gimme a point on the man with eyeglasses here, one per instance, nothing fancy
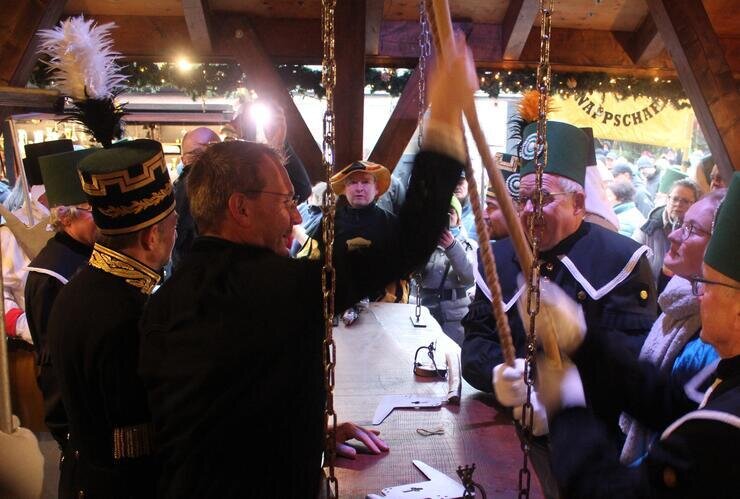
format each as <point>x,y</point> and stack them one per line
<point>698,423</point>
<point>232,344</point>
<point>603,271</point>
<point>61,258</point>
<point>682,193</point>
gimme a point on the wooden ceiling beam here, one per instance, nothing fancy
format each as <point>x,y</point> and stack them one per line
<point>239,38</point>
<point>198,20</point>
<point>373,23</point>
<point>705,75</point>
<point>400,127</point>
<point>644,44</point>
<point>518,21</point>
<point>349,93</point>
<point>29,98</point>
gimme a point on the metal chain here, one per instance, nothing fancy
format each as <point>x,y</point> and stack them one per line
<point>425,51</point>
<point>417,309</point>
<point>328,276</point>
<point>535,227</point>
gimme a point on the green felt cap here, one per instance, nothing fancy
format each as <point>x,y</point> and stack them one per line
<point>568,151</point>
<point>668,178</point>
<point>62,182</point>
<point>722,250</point>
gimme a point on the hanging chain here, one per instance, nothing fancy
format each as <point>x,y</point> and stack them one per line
<point>425,51</point>
<point>328,277</point>
<point>535,228</point>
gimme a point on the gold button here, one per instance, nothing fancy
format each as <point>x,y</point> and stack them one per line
<point>581,295</point>
<point>81,494</point>
<point>669,477</point>
<point>549,266</point>
<point>77,454</point>
<point>644,294</point>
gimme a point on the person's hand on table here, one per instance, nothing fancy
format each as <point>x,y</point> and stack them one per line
<point>348,431</point>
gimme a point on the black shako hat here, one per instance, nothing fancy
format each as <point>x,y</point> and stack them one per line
<point>128,186</point>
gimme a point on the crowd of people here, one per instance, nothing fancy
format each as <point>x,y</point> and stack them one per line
<point>154,387</point>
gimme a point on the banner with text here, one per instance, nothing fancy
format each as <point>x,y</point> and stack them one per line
<point>642,120</point>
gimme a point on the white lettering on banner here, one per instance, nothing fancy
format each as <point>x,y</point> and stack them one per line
<point>598,112</point>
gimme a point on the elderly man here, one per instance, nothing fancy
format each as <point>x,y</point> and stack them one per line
<point>698,423</point>
<point>605,272</point>
<point>193,144</point>
<point>54,266</point>
<point>93,333</point>
<point>662,221</point>
<point>232,344</point>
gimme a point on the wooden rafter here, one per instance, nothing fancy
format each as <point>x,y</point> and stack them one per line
<point>239,38</point>
<point>28,98</point>
<point>400,127</point>
<point>373,22</point>
<point>645,43</point>
<point>705,75</point>
<point>198,20</point>
<point>518,21</point>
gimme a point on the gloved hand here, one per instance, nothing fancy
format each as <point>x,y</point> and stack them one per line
<point>508,384</point>
<point>559,316</point>
<point>539,415</point>
<point>559,387</point>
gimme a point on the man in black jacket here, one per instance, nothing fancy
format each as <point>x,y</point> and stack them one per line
<point>54,266</point>
<point>232,344</point>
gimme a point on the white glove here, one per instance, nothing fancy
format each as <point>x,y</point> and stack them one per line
<point>559,388</point>
<point>508,384</point>
<point>559,316</point>
<point>539,416</point>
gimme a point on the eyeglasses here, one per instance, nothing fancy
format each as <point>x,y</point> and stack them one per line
<point>291,203</point>
<point>698,283</point>
<point>688,229</point>
<point>680,200</point>
<point>547,198</point>
<point>86,208</point>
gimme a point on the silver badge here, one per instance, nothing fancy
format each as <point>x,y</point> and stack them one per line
<point>512,185</point>
<point>528,147</point>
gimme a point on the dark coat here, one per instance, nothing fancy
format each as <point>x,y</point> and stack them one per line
<point>94,341</point>
<point>696,455</point>
<point>614,286</point>
<point>232,353</point>
<point>52,268</point>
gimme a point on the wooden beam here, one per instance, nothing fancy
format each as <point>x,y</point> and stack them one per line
<point>240,39</point>
<point>349,94</point>
<point>517,24</point>
<point>373,22</point>
<point>704,74</point>
<point>644,44</point>
<point>198,20</point>
<point>33,98</point>
<point>400,127</point>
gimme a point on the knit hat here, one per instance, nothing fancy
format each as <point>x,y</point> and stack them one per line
<point>128,186</point>
<point>721,252</point>
<point>380,172</point>
<point>455,204</point>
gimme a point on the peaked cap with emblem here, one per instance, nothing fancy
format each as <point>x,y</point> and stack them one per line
<point>35,151</point>
<point>128,186</point>
<point>668,178</point>
<point>62,182</point>
<point>380,172</point>
<point>569,151</point>
<point>508,165</point>
<point>721,252</point>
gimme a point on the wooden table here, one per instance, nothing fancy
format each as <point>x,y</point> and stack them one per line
<point>375,358</point>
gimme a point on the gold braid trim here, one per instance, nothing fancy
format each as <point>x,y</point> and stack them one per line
<point>134,272</point>
<point>137,206</point>
<point>133,441</point>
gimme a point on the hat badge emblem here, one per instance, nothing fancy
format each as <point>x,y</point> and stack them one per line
<point>528,147</point>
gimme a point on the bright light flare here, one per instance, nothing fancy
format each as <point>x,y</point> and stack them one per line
<point>184,65</point>
<point>261,114</point>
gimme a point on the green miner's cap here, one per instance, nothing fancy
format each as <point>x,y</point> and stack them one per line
<point>669,177</point>
<point>508,165</point>
<point>722,250</point>
<point>128,186</point>
<point>568,151</point>
<point>35,151</point>
<point>62,182</point>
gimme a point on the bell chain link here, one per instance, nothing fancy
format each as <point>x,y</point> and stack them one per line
<point>535,228</point>
<point>328,277</point>
<point>425,51</point>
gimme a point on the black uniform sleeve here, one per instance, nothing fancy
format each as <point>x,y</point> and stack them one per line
<point>297,174</point>
<point>40,293</point>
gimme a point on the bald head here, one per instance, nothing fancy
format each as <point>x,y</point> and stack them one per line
<point>195,141</point>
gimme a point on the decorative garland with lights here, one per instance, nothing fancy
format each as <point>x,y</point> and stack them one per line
<point>201,80</point>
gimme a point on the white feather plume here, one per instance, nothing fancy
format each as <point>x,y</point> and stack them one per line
<point>82,58</point>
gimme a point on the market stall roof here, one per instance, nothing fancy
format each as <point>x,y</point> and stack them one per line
<point>693,39</point>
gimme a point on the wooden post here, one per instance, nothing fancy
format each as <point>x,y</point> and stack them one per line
<point>349,93</point>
